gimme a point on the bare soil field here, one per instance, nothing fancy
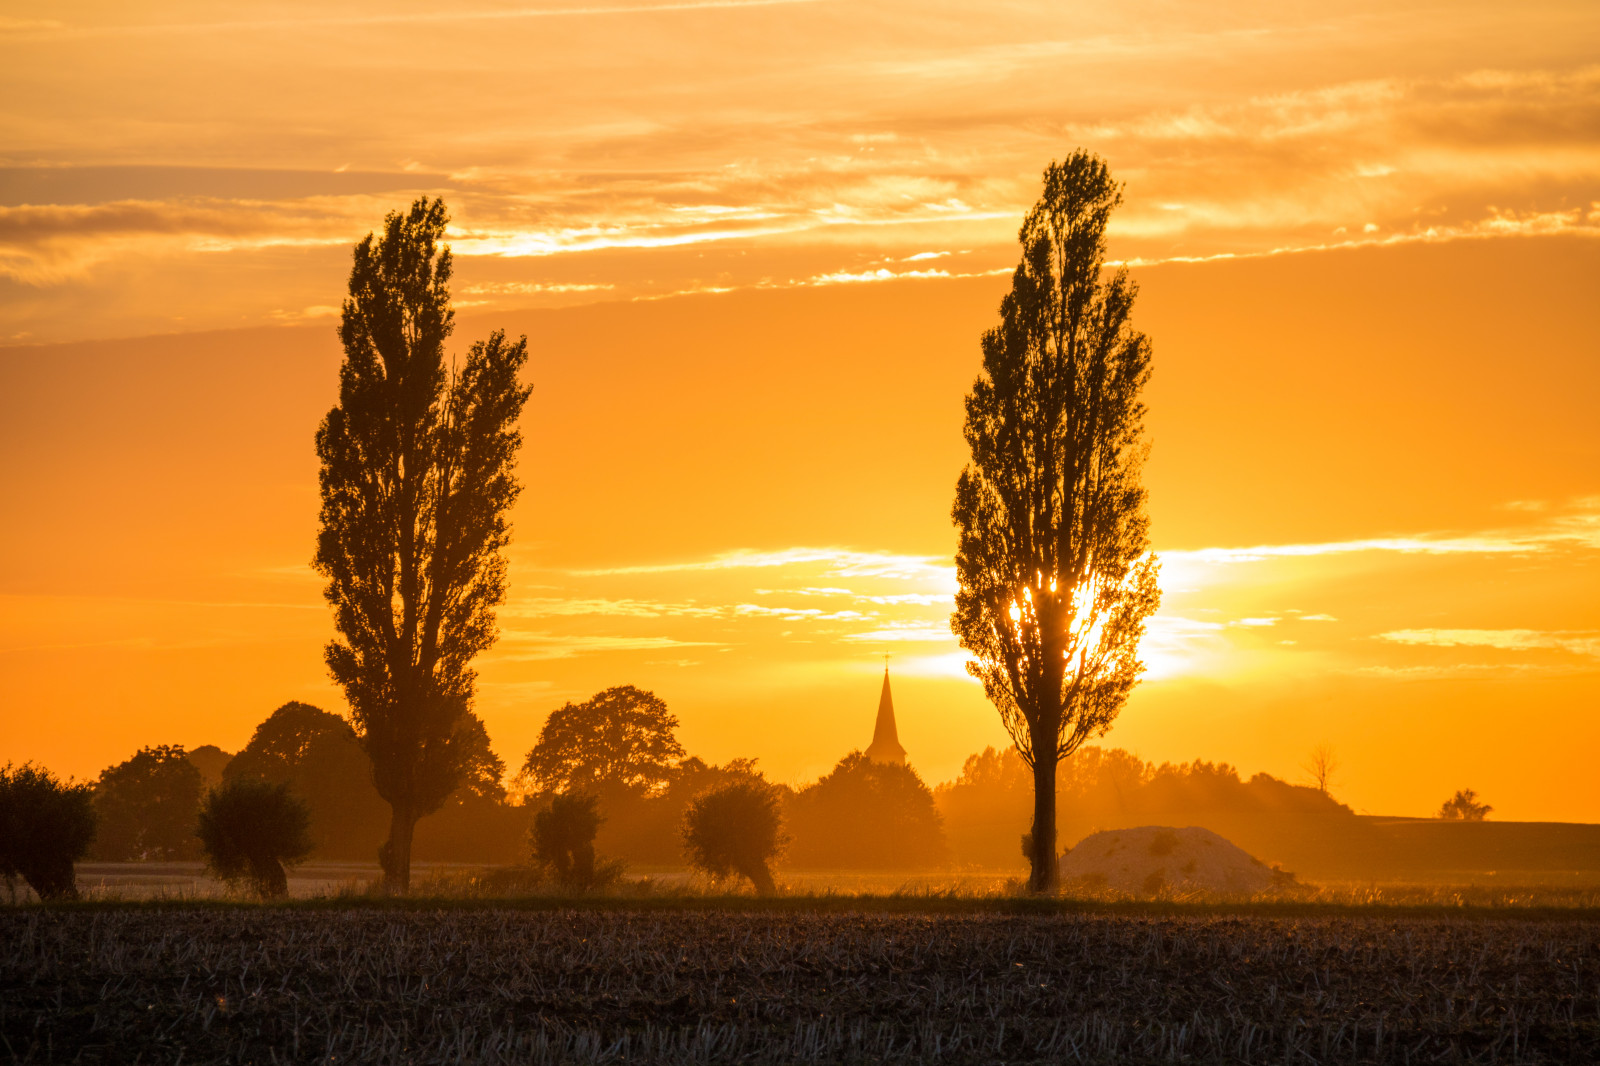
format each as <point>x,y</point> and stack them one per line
<point>794,981</point>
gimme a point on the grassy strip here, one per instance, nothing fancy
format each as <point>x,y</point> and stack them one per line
<point>891,904</point>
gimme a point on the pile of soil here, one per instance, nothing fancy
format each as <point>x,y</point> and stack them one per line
<point>1154,858</point>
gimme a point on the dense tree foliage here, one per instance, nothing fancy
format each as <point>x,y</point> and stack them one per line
<point>417,482</point>
<point>250,828</point>
<point>736,828</point>
<point>146,807</point>
<point>866,815</point>
<point>317,755</point>
<point>621,740</point>
<point>283,741</point>
<point>1052,558</point>
<point>45,826</point>
<point>287,734</point>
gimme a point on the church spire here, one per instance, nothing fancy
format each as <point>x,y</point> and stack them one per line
<point>885,745</point>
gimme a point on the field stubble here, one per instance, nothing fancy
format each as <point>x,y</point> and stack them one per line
<point>486,984</point>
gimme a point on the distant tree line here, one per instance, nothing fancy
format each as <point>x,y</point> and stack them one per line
<point>608,784</point>
<point>621,747</point>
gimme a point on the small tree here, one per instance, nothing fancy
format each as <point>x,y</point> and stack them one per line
<point>621,739</point>
<point>45,826</point>
<point>1052,558</point>
<point>563,838</point>
<point>417,481</point>
<point>250,828</point>
<point>1321,765</point>
<point>1464,806</point>
<point>146,807</point>
<point>736,829</point>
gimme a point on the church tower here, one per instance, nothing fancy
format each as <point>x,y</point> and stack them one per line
<point>885,745</point>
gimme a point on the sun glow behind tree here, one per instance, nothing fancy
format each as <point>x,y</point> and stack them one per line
<point>1056,576</point>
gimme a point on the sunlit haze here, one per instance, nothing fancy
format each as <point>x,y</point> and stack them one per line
<point>753,244</point>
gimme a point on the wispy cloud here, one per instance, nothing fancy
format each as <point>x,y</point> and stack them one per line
<point>526,288</point>
<point>906,631</point>
<point>810,614</point>
<point>851,192</point>
<point>521,646</point>
<point>845,277</point>
<point>1574,532</point>
<point>52,243</point>
<point>556,606</point>
<point>834,561</point>
<point>1577,221</point>
<point>55,28</point>
<point>1579,643</point>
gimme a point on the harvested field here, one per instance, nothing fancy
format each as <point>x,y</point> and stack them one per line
<point>491,984</point>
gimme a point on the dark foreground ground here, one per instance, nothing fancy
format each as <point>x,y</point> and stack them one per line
<point>491,984</point>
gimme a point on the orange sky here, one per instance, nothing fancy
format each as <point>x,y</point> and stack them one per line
<point>753,245</point>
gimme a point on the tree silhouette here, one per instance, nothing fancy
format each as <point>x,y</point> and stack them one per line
<point>288,731</point>
<point>865,814</point>
<point>1055,579</point>
<point>1464,806</point>
<point>249,828</point>
<point>619,740</point>
<point>45,826</point>
<point>736,828</point>
<point>146,807</point>
<point>317,755</point>
<point>1321,764</point>
<point>211,761</point>
<point>563,838</point>
<point>484,770</point>
<point>281,742</point>
<point>417,479</point>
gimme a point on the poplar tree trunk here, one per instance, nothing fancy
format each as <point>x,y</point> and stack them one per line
<point>395,855</point>
<point>1044,876</point>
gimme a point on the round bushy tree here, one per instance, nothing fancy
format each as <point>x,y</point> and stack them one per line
<point>736,828</point>
<point>45,826</point>
<point>866,815</point>
<point>145,807</point>
<point>622,740</point>
<point>563,838</point>
<point>249,828</point>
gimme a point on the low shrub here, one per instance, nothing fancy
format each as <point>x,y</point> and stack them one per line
<point>736,829</point>
<point>563,843</point>
<point>45,826</point>
<point>250,828</point>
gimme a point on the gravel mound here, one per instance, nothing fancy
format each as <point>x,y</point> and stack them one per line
<point>1154,858</point>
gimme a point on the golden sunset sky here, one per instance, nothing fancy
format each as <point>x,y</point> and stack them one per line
<point>753,245</point>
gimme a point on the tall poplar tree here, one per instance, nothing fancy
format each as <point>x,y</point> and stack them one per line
<point>417,479</point>
<point>1055,575</point>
